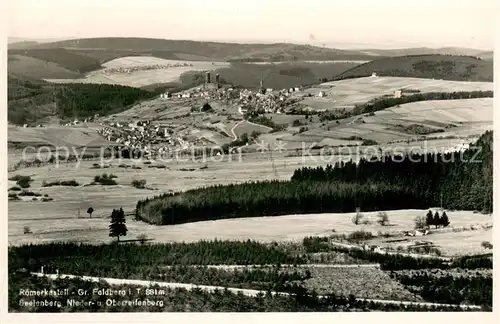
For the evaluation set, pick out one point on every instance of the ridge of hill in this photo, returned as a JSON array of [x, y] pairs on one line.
[[214, 50], [428, 51], [446, 67]]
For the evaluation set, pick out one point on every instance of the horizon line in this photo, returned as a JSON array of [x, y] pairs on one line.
[[328, 44]]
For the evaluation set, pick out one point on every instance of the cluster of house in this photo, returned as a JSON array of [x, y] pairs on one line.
[[457, 148], [266, 100], [131, 69], [139, 135], [205, 92]]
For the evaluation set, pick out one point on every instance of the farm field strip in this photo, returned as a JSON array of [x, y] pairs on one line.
[[265, 229], [246, 292]]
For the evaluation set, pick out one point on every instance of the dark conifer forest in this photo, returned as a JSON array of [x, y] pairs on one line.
[[459, 180]]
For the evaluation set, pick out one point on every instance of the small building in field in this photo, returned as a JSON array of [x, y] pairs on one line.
[[321, 94], [374, 74], [397, 94]]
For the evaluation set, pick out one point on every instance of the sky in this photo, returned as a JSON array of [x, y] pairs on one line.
[[348, 23]]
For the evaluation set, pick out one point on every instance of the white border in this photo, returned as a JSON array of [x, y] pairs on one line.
[[218, 318]]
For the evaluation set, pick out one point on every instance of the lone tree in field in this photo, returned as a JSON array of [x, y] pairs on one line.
[[420, 222], [358, 217], [436, 220], [117, 227], [429, 219], [444, 221], [90, 211], [383, 219]]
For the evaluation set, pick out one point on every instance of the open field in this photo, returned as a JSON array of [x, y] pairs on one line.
[[248, 128], [140, 78], [61, 136], [49, 220], [347, 93], [463, 118], [451, 242]]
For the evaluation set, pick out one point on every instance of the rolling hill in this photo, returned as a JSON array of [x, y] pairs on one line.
[[446, 67], [220, 51], [39, 69], [427, 51], [69, 60]]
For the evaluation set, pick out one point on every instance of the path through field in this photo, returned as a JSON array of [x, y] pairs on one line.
[[246, 292]]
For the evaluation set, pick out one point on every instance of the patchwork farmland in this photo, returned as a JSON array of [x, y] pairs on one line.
[[134, 71]]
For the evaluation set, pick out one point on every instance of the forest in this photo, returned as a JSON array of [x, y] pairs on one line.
[[84, 100], [138, 260], [449, 289], [275, 198], [30, 102], [457, 181], [454, 180], [428, 66]]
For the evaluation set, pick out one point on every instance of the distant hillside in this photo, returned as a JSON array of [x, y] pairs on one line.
[[62, 57], [213, 50], [22, 45], [32, 101], [426, 51], [35, 68], [446, 67]]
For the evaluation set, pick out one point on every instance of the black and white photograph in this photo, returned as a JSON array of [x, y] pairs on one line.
[[249, 156]]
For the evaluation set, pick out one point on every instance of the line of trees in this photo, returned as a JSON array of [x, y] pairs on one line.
[[435, 220], [401, 262], [136, 261]]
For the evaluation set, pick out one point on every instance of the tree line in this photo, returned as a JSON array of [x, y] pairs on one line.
[[135, 260]]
